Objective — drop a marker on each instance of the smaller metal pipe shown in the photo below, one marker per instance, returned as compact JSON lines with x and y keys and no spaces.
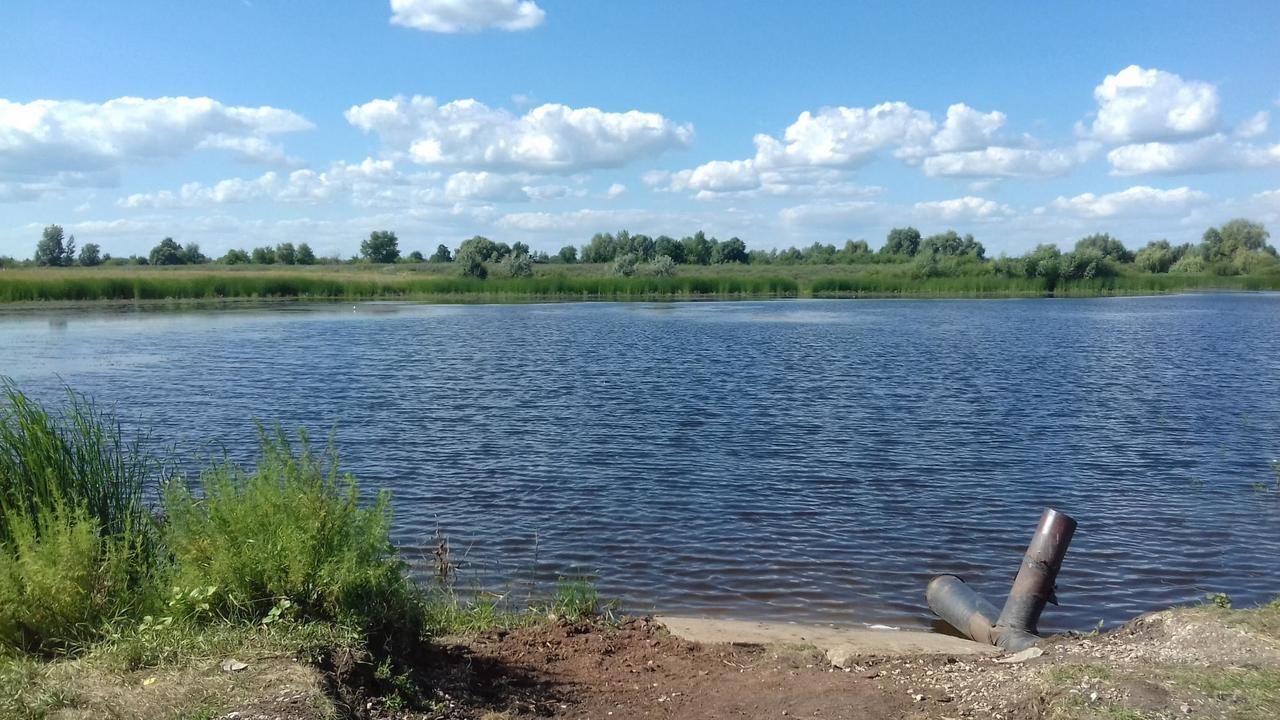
{"x":957,"y":603}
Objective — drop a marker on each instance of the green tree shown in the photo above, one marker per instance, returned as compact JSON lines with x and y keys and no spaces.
{"x":1233,"y":238}
{"x":442,"y":254}
{"x":519,"y":248}
{"x":305,"y":255}
{"x":264,"y":256}
{"x":167,"y":252}
{"x":1190,"y":263}
{"x":639,"y":245}
{"x":902,"y":241}
{"x":1158,"y":256}
{"x":470,"y":265}
{"x":1045,"y":262}
{"x":382,"y":247}
{"x":697,"y":249}
{"x":670,"y":247}
{"x":236,"y":257}
{"x":501,"y":251}
{"x":568,"y":254}
{"x":601,"y":249}
{"x":950,"y":244}
{"x":820,"y":254}
{"x":191,"y":255}
{"x":854,"y":250}
{"x":417,"y":257}
{"x":1085,"y":264}
{"x":286,"y":254}
{"x":732,"y":250}
{"x":50,"y":249}
{"x":478,"y":247}
{"x":1107,"y":246}
{"x":90,"y":255}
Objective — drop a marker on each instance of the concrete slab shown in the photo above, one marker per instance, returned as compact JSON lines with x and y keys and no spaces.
{"x":868,"y":643}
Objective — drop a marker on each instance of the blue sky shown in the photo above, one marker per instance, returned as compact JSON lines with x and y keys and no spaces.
{"x":235,"y":123}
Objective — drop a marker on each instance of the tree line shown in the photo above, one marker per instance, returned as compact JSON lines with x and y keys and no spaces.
{"x":1238,"y":247}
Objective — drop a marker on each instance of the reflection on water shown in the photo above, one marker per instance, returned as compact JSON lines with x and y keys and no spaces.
{"x":812,"y":461}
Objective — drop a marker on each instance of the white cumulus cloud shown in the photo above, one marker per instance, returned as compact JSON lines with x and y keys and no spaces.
{"x":464,"y":16}
{"x":998,"y":161}
{"x":964,"y":129}
{"x":717,"y":176}
{"x":1209,"y":154}
{"x":1140,"y":105}
{"x":1255,"y":125}
{"x":844,"y":136}
{"x":964,"y":208}
{"x":301,"y":186}
{"x":549,"y":138}
{"x":70,"y":143}
{"x":1139,"y":200}
{"x":485,"y":186}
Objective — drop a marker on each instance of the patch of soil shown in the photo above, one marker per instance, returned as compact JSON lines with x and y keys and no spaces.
{"x":639,"y":670}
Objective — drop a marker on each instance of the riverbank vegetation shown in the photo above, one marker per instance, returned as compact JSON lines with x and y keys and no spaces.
{"x":622,"y":266}
{"x":109,"y":557}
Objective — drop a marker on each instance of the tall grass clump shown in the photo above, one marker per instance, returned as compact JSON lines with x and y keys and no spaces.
{"x":290,"y":539}
{"x":77,"y":543}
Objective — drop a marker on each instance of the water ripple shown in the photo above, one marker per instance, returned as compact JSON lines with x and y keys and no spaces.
{"x":807,"y":461}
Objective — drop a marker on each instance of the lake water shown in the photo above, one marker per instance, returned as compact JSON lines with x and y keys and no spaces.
{"x":794,"y":460}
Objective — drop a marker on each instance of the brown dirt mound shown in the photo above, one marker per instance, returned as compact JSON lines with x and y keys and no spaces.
{"x":639,"y":670}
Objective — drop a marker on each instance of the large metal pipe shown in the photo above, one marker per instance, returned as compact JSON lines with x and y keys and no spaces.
{"x":1015,"y":627}
{"x":1034,"y":585}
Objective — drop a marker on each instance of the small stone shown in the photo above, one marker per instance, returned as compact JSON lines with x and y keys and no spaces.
{"x":1030,"y":653}
{"x":841,"y":656}
{"x":1186,"y":709}
{"x":232,"y":665}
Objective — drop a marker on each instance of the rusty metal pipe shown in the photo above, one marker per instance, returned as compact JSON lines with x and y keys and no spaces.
{"x":1034,"y":585}
{"x":1014,"y":628}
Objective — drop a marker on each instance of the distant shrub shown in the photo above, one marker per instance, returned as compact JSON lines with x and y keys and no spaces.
{"x":662,"y":266}
{"x":625,"y":265}
{"x":518,"y":265}
{"x":1189,"y":263}
{"x":471,"y":266}
{"x":292,"y":529}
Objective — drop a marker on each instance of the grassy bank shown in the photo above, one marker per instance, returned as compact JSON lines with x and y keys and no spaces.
{"x":277,"y":558}
{"x":579,"y":282}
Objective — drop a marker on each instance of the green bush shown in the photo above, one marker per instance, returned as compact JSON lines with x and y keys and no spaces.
{"x":77,"y":544}
{"x":62,"y":584}
{"x":290,"y":530}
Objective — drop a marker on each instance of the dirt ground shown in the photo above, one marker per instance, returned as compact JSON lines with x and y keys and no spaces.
{"x":1176,"y":664}
{"x":1201,"y":663}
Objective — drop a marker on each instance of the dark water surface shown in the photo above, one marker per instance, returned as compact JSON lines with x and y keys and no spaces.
{"x":803,"y":460}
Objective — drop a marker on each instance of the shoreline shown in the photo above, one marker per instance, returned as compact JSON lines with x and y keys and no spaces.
{"x":32,"y":307}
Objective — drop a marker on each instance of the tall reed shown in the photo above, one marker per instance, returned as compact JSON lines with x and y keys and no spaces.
{"x":77,"y":457}
{"x":77,"y":543}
